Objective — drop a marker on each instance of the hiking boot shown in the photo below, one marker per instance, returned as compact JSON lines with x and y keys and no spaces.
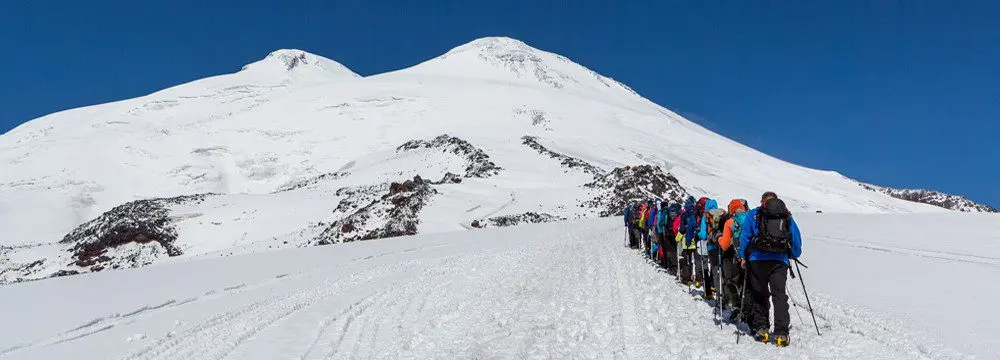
{"x":781,"y":340}
{"x":709,"y":296}
{"x":762,"y":336}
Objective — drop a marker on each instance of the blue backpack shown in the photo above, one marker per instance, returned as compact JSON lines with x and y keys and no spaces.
{"x":738,"y":220}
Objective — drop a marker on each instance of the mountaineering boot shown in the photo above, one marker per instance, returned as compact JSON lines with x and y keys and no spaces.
{"x":781,"y":340}
{"x":762,"y":336}
{"x":697,"y":283}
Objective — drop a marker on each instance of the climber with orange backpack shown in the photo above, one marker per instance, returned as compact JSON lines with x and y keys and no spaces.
{"x":732,"y":273}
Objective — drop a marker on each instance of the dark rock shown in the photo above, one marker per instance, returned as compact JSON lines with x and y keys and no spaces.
{"x":931,"y":197}
{"x":622,"y":186}
{"x":139,"y":222}
{"x":314,"y":180}
{"x":479,"y":164}
{"x":566,"y":161}
{"x":516,"y":219}
{"x":395,"y":213}
{"x":65,"y":273}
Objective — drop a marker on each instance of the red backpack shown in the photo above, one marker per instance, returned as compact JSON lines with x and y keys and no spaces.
{"x":700,"y":208}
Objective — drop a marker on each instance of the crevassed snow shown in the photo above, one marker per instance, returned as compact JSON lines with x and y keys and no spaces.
{"x":562,"y":290}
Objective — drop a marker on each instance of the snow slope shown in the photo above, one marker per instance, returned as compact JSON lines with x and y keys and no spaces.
{"x":561,"y":290}
{"x":300,"y":150}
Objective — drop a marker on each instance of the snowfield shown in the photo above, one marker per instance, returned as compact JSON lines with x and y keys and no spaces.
{"x":884,"y":287}
{"x":296,"y":150}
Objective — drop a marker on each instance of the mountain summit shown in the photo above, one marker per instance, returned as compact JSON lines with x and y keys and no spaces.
{"x":297,"y":60}
{"x":511,"y":61}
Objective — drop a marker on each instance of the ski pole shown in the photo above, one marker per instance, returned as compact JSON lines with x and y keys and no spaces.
{"x":806,"y":294}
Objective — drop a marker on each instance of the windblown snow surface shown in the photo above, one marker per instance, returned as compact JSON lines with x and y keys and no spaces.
{"x":890,"y":289}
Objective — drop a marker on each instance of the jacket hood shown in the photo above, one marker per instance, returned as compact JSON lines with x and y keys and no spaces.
{"x":711,"y":204}
{"x":674,"y":208}
{"x":736,"y":206}
{"x":689,"y":203}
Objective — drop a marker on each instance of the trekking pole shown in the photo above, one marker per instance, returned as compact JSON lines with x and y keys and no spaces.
{"x":719,"y":290}
{"x":797,"y":263}
{"x":797,"y":312}
{"x":677,"y":259}
{"x":743,"y":303}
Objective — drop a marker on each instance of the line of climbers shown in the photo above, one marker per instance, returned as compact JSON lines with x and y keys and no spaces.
{"x":726,"y":252}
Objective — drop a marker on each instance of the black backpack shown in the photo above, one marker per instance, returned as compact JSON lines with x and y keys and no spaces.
{"x":721,"y":225}
{"x":633,"y":215}
{"x":774,"y":232}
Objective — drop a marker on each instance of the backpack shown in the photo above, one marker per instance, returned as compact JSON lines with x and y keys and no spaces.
{"x":642,"y":216}
{"x":737,"y":229}
{"x":774,"y":232}
{"x":673,"y":214}
{"x":690,"y":224}
{"x":714,"y":219}
{"x":631,"y":218}
{"x":720,"y":224}
{"x":676,"y":225}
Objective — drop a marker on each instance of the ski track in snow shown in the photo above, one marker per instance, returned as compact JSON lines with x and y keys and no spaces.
{"x":940,"y":255}
{"x":568,"y":290}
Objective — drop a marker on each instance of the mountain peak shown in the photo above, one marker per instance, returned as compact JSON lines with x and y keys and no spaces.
{"x":494,"y":44}
{"x":511,"y":60}
{"x":294,"y":60}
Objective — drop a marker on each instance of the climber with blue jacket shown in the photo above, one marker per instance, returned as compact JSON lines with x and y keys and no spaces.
{"x":651,"y":236}
{"x":769,"y":238}
{"x":687,"y":230}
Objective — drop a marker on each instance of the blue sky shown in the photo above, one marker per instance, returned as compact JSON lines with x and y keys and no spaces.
{"x":900,"y":93}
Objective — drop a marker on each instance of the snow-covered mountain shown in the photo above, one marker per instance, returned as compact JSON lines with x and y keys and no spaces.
{"x":936,"y":198}
{"x":296,"y":150}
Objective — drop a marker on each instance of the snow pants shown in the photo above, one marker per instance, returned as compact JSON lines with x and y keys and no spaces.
{"x":633,"y":237}
{"x":687,"y":260}
{"x":654,"y":238}
{"x":700,"y":268}
{"x":645,"y":240}
{"x":732,"y":282}
{"x":767,"y":282}
{"x":669,"y":247}
{"x":712,"y":282}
